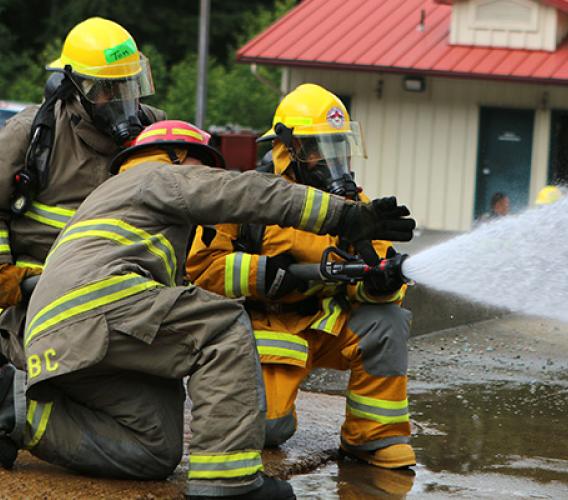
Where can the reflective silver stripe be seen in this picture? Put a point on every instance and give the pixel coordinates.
(261, 275)
(235, 464)
(332, 310)
(237, 269)
(375, 445)
(315, 210)
(4, 242)
(376, 410)
(125, 234)
(50, 215)
(229, 465)
(85, 299)
(37, 419)
(282, 344)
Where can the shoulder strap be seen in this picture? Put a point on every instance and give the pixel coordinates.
(35, 174)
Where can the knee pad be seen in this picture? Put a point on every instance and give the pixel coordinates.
(383, 332)
(279, 430)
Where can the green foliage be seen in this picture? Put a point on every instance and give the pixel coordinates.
(167, 35)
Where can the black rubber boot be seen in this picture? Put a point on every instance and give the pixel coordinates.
(271, 489)
(8, 449)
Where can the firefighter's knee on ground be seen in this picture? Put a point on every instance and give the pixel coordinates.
(383, 332)
(279, 430)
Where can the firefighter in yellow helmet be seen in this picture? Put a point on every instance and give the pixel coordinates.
(54, 155)
(548, 195)
(301, 326)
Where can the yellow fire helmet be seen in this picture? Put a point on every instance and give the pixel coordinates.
(104, 61)
(318, 134)
(548, 195)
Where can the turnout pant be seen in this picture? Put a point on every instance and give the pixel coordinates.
(373, 346)
(123, 417)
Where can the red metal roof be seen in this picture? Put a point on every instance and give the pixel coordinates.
(385, 35)
(559, 4)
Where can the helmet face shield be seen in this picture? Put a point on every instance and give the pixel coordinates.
(318, 142)
(325, 159)
(104, 89)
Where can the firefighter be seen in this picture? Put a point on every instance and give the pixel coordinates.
(112, 328)
(360, 327)
(548, 195)
(54, 156)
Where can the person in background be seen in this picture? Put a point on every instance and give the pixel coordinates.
(500, 207)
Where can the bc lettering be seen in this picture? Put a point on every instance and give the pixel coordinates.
(37, 364)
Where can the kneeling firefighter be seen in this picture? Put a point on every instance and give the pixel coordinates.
(54, 155)
(359, 327)
(113, 328)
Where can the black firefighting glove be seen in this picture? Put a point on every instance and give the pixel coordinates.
(382, 219)
(278, 280)
(385, 282)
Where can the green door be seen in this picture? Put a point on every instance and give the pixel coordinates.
(504, 157)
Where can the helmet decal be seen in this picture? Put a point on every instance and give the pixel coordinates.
(335, 117)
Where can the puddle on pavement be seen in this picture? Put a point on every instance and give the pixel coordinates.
(498, 441)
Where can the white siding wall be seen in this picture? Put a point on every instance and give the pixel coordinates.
(521, 24)
(423, 147)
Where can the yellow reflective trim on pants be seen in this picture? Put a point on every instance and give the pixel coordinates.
(378, 418)
(283, 345)
(5, 249)
(35, 329)
(224, 465)
(379, 403)
(39, 430)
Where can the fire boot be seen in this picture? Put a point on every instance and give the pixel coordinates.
(271, 489)
(396, 456)
(12, 413)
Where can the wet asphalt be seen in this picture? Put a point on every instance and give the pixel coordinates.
(489, 404)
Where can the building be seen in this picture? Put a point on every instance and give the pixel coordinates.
(457, 99)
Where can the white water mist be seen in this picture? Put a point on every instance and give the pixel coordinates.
(518, 262)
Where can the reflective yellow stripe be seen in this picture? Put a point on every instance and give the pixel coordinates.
(49, 215)
(4, 242)
(39, 429)
(379, 403)
(123, 234)
(315, 210)
(332, 310)
(322, 212)
(229, 266)
(237, 271)
(190, 133)
(25, 263)
(294, 121)
(378, 418)
(66, 212)
(245, 270)
(76, 302)
(307, 208)
(283, 345)
(150, 133)
(224, 465)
